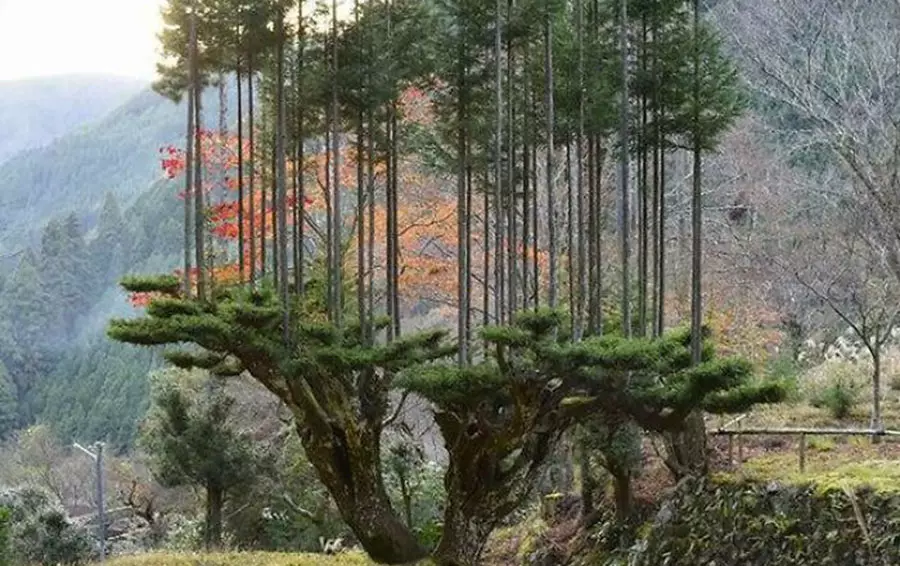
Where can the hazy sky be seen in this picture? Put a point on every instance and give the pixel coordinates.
(52, 37)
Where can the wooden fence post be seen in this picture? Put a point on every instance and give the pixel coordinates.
(802, 453)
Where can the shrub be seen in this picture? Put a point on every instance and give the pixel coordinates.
(5, 547)
(786, 370)
(894, 382)
(840, 390)
(820, 444)
(40, 533)
(839, 398)
(415, 486)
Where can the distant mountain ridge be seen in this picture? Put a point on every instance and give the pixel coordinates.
(34, 112)
(117, 154)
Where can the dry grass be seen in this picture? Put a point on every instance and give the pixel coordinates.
(831, 463)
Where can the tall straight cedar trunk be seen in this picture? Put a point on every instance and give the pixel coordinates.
(579, 179)
(513, 202)
(624, 195)
(360, 208)
(499, 208)
(570, 237)
(300, 201)
(486, 257)
(643, 192)
(189, 176)
(370, 263)
(329, 222)
(551, 198)
(251, 185)
(199, 206)
(276, 230)
(392, 238)
(689, 446)
(535, 210)
(658, 243)
(469, 263)
(242, 264)
(263, 219)
(696, 209)
(395, 213)
(526, 189)
(462, 212)
(389, 224)
(281, 181)
(337, 279)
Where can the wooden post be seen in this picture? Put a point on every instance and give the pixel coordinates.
(740, 443)
(802, 453)
(730, 450)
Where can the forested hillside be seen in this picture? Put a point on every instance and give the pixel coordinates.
(79, 214)
(34, 112)
(118, 154)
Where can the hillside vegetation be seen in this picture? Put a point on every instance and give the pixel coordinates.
(34, 112)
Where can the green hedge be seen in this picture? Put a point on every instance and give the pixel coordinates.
(757, 524)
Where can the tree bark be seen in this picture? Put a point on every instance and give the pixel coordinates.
(215, 501)
(588, 483)
(551, 198)
(300, 200)
(624, 496)
(347, 459)
(242, 267)
(624, 196)
(251, 185)
(188, 183)
(877, 422)
(687, 451)
(579, 176)
(337, 255)
(281, 230)
(463, 539)
(462, 212)
(199, 207)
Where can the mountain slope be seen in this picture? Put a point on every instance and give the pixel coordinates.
(118, 155)
(75, 216)
(34, 112)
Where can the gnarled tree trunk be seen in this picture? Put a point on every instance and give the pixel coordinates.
(493, 468)
(687, 449)
(347, 460)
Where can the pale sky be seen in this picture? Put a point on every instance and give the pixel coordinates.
(53, 37)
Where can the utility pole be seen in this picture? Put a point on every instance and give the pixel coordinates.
(101, 511)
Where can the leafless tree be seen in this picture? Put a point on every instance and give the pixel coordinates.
(832, 68)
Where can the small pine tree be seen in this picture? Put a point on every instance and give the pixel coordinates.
(191, 440)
